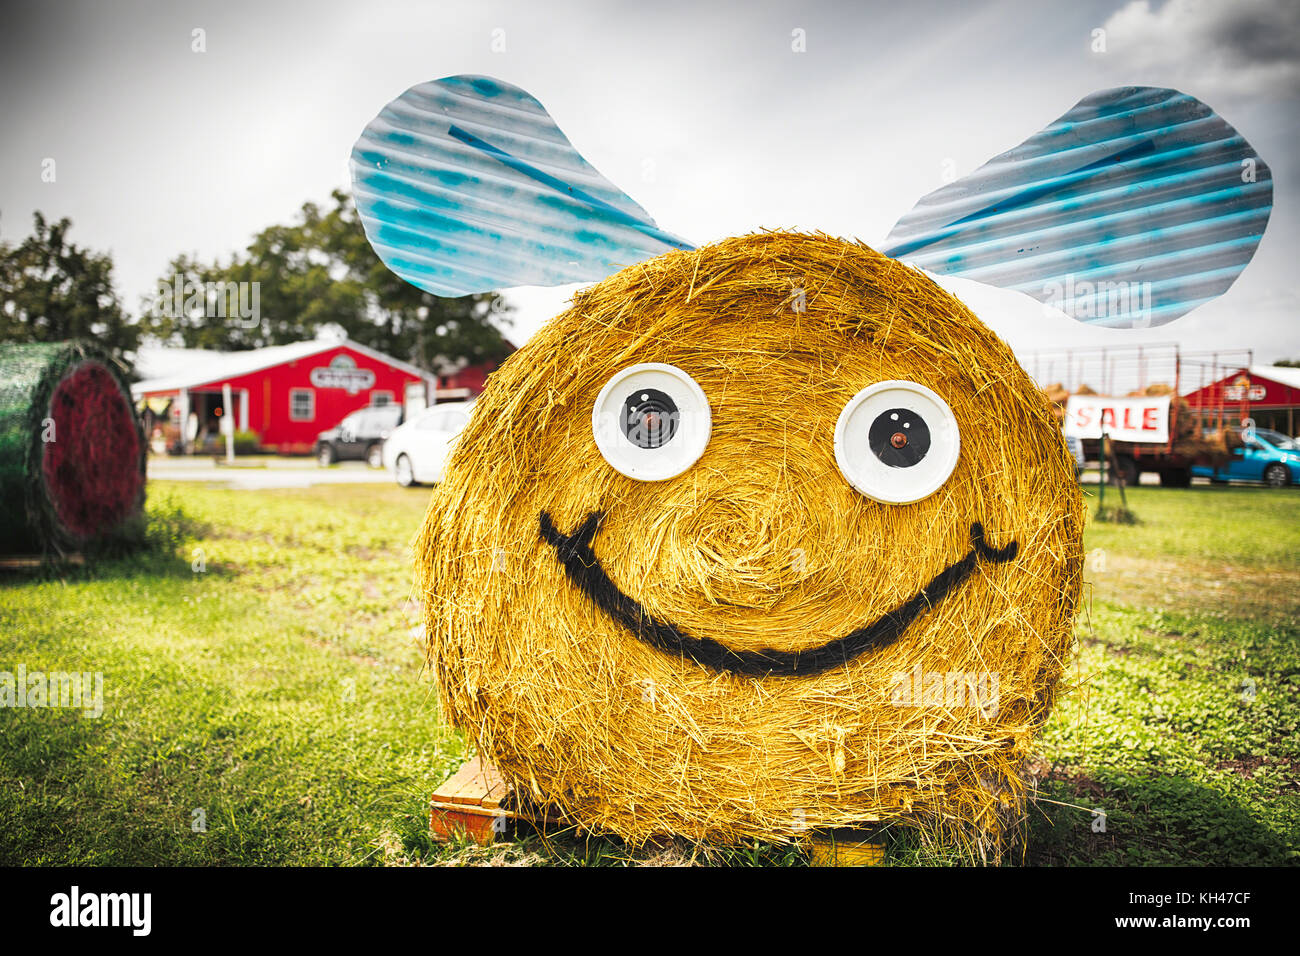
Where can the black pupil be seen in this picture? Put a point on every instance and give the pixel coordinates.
(899, 437)
(649, 418)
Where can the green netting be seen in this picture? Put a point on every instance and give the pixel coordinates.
(29, 376)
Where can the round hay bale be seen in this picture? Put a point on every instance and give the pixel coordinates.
(753, 648)
(1059, 396)
(72, 454)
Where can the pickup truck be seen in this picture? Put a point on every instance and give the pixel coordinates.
(359, 437)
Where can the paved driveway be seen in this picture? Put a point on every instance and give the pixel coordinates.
(255, 473)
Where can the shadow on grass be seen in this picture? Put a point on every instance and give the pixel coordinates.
(161, 543)
(1155, 820)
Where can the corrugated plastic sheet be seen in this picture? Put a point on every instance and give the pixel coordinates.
(465, 184)
(1129, 211)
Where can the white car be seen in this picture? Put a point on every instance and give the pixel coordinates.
(416, 451)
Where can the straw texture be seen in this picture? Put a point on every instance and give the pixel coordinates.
(762, 545)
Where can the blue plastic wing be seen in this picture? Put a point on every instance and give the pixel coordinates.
(465, 184)
(1129, 211)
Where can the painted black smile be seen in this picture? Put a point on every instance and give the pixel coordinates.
(583, 568)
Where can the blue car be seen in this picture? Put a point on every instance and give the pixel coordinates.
(1267, 456)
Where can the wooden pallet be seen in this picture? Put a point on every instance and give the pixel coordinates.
(846, 848)
(474, 802)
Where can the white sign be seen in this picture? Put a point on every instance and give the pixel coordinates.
(1122, 419)
(342, 372)
(1251, 393)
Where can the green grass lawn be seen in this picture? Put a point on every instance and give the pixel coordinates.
(264, 701)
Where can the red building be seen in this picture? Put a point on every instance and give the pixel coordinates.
(1267, 394)
(285, 394)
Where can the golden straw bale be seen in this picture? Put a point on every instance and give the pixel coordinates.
(762, 544)
(1059, 396)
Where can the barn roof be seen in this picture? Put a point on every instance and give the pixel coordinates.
(1277, 373)
(166, 369)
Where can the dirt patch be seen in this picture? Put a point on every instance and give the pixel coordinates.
(1242, 766)
(1246, 765)
(1182, 585)
(1079, 782)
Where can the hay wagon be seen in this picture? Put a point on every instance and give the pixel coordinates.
(1152, 402)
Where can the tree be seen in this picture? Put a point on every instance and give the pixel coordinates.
(52, 290)
(316, 273)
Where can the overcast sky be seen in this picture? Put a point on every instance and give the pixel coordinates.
(701, 111)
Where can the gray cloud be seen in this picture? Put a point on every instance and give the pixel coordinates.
(1242, 48)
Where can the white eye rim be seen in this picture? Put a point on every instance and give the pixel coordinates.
(670, 459)
(851, 468)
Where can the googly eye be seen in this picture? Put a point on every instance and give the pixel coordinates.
(651, 422)
(897, 442)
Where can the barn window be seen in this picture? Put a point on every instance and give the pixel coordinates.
(302, 404)
(381, 398)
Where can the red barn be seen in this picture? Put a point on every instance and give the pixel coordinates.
(460, 380)
(285, 394)
(1268, 394)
